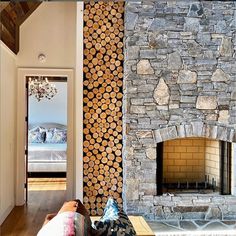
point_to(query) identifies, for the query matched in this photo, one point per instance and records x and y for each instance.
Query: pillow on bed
(37, 135)
(56, 136)
(114, 221)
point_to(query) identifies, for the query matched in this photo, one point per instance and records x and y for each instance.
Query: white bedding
(47, 157)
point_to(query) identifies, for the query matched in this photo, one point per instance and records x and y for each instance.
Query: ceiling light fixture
(42, 57)
(41, 88)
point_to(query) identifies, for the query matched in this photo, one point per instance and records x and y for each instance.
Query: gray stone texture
(144, 68)
(161, 93)
(174, 61)
(226, 47)
(206, 102)
(219, 76)
(186, 77)
(193, 227)
(151, 153)
(179, 74)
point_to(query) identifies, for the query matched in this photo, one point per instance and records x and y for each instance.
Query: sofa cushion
(72, 219)
(65, 224)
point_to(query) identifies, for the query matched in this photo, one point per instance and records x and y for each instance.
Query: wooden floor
(28, 219)
(50, 184)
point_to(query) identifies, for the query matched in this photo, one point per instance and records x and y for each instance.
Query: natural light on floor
(42, 184)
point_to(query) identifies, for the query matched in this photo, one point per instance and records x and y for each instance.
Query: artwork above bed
(47, 146)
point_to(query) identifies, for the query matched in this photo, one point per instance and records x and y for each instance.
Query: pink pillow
(64, 224)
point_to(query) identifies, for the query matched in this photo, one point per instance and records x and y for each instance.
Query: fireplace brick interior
(212, 164)
(191, 159)
(184, 160)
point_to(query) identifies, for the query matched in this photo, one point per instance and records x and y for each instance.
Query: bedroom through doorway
(46, 135)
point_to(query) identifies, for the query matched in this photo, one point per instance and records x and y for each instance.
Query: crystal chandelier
(41, 88)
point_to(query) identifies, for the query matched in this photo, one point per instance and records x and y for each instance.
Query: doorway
(71, 182)
(46, 134)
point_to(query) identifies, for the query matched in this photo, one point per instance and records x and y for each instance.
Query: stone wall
(193, 206)
(180, 72)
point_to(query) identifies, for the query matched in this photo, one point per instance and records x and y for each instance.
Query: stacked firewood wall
(103, 82)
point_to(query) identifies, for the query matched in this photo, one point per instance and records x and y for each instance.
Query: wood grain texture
(49, 184)
(12, 15)
(103, 82)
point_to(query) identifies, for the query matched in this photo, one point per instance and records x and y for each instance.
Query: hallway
(27, 220)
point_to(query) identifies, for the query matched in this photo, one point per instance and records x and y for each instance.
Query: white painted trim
(79, 103)
(21, 111)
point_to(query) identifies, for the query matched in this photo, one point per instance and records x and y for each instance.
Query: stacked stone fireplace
(180, 95)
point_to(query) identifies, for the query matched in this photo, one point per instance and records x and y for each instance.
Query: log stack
(103, 82)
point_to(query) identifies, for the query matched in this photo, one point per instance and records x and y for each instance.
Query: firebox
(193, 165)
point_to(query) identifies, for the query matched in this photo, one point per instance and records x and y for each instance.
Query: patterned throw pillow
(114, 222)
(64, 224)
(72, 220)
(111, 211)
(37, 135)
(56, 136)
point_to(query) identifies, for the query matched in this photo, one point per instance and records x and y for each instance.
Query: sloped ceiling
(12, 15)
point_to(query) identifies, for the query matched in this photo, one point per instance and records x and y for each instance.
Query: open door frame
(75, 173)
(21, 129)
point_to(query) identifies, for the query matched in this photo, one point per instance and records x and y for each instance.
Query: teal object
(111, 211)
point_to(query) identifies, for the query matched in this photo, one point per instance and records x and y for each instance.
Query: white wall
(7, 130)
(51, 30)
(55, 30)
(50, 111)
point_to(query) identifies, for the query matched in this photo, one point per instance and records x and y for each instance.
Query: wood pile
(103, 82)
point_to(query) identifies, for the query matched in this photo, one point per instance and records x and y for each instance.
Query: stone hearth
(180, 72)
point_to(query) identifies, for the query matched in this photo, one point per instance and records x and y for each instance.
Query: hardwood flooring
(41, 184)
(28, 219)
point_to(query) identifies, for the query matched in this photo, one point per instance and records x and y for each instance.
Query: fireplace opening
(193, 165)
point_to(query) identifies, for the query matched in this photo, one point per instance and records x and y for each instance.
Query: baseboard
(5, 214)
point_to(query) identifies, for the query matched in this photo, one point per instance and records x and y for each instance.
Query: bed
(47, 148)
(47, 157)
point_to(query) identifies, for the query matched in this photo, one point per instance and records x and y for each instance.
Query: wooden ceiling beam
(13, 14)
(7, 22)
(3, 5)
(24, 6)
(7, 38)
(19, 11)
(20, 20)
(11, 11)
